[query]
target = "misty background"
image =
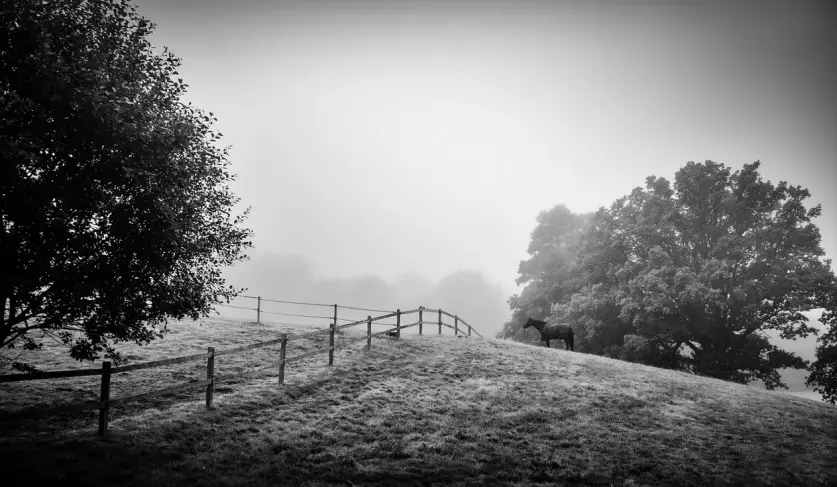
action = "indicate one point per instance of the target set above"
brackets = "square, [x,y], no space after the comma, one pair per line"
[396,154]
[290,277]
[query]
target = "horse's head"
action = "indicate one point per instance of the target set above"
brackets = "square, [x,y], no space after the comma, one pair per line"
[529,322]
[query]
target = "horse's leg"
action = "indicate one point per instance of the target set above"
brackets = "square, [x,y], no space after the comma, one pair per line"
[547,343]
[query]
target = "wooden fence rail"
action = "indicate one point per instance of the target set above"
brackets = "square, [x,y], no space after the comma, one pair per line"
[105,402]
[159,363]
[49,375]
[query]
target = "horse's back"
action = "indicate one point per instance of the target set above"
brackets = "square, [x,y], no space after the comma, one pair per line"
[560,329]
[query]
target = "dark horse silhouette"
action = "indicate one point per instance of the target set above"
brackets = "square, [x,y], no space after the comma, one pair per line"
[552,332]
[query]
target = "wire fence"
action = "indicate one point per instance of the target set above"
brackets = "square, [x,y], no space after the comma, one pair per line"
[106,402]
[233,306]
[275,312]
[289,302]
[366,309]
[297,315]
[237,309]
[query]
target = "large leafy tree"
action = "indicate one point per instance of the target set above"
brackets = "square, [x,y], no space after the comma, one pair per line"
[690,276]
[115,207]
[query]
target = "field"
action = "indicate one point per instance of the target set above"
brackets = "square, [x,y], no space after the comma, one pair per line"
[425,410]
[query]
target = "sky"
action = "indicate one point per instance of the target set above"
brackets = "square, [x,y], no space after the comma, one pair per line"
[411,145]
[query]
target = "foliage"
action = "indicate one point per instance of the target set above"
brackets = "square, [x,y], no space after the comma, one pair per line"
[114,198]
[689,276]
[823,376]
[547,273]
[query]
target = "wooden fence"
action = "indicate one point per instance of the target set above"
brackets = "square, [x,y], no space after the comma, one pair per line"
[105,402]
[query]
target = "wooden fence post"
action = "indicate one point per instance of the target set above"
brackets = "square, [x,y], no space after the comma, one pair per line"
[210,374]
[469,330]
[259,310]
[368,332]
[282,359]
[455,325]
[398,324]
[440,321]
[421,309]
[104,397]
[331,342]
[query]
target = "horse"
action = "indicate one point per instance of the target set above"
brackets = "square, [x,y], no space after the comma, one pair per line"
[552,332]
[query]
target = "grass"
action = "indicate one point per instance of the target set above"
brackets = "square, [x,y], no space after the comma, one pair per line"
[425,410]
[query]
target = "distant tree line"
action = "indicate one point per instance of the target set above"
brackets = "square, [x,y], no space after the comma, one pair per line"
[688,276]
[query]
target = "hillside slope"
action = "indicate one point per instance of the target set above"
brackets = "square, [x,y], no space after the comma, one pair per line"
[451,411]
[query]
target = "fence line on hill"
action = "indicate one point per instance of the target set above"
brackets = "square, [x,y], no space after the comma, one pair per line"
[105,402]
[259,310]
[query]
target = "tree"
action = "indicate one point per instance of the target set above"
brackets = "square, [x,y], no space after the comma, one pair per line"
[823,376]
[115,201]
[689,277]
[548,273]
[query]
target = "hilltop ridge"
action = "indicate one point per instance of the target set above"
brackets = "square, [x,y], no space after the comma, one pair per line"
[458,411]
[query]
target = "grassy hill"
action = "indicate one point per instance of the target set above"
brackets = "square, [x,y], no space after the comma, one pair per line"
[425,410]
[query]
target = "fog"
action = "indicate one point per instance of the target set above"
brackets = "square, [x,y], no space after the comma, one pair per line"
[289,277]
[396,154]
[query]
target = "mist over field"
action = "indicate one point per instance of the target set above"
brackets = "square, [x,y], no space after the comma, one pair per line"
[401,154]
[483,304]
[396,154]
[212,210]
[290,277]
[804,347]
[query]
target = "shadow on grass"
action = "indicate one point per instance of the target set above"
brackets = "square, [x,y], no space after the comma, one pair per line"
[92,461]
[403,415]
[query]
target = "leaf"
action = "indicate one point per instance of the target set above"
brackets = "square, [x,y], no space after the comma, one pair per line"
[106,244]
[691,271]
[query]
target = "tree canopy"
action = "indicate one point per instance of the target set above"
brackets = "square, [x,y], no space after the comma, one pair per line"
[690,275]
[549,273]
[115,201]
